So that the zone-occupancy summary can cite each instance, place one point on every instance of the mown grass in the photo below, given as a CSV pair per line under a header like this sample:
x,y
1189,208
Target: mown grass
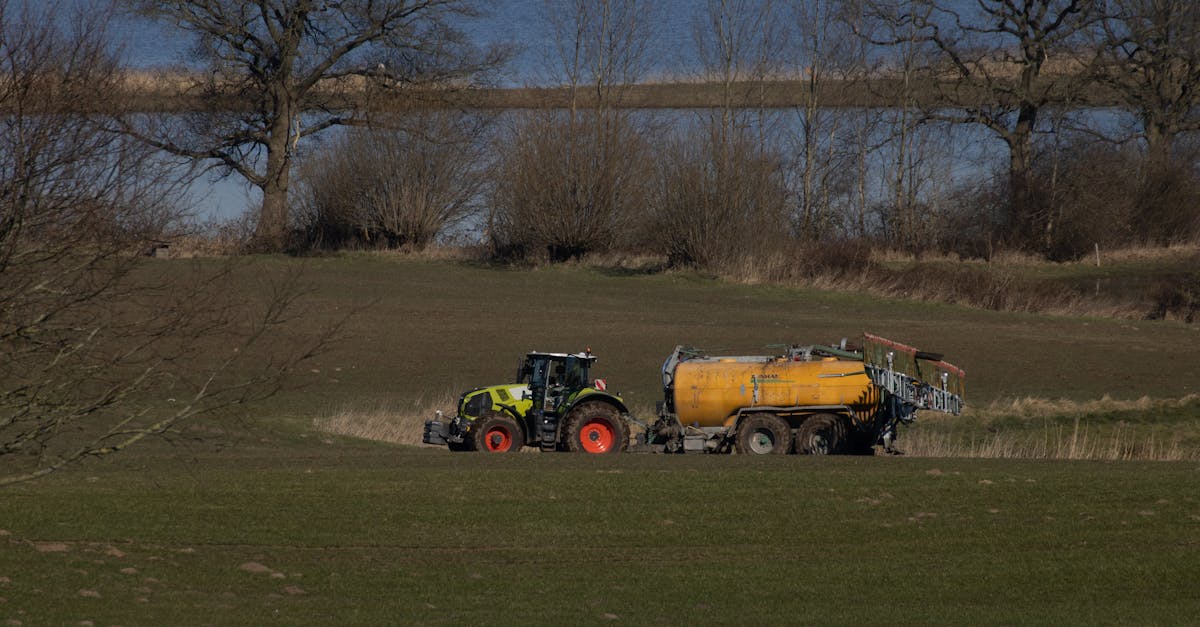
x,y
358,534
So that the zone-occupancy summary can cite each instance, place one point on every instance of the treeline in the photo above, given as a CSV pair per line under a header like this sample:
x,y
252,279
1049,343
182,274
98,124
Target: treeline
x,y
989,145
991,141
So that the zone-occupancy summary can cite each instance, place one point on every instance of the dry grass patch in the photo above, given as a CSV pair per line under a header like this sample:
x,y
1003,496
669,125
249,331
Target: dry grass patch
x,y
1080,442
1015,258
1010,282
1048,408
388,422
1105,429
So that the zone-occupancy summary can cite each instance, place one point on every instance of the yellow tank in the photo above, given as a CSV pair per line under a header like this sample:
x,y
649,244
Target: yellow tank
x,y
709,391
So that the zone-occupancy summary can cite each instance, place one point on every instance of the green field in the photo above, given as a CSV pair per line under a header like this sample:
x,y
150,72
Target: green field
x,y
255,515
434,326
348,533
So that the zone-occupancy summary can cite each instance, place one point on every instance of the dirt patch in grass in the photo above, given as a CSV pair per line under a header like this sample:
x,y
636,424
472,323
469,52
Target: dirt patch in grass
x,y
51,547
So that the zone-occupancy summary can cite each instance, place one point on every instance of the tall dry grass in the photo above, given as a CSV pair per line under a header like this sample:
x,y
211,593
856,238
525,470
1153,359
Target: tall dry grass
x,y
398,423
1001,285
1044,435
474,253
1080,442
1015,258
1047,408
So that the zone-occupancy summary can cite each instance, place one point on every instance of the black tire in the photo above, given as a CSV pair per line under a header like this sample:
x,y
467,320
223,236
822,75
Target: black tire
x,y
821,434
764,434
496,433
461,447
859,443
596,428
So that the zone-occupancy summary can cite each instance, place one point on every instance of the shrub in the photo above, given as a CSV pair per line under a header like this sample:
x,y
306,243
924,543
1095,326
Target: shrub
x,y
1177,298
717,201
566,186
395,188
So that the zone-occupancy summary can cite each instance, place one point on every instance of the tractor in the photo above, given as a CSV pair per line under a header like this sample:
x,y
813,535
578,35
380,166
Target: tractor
x,y
552,405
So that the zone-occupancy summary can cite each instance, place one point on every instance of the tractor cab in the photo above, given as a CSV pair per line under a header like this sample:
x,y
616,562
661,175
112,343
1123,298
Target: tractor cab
x,y
556,371
556,376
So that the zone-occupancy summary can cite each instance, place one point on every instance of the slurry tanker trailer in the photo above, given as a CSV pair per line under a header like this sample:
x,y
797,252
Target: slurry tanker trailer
x,y
815,400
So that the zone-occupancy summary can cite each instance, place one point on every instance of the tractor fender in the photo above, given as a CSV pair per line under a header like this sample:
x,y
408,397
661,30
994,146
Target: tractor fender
x,y
510,411
596,395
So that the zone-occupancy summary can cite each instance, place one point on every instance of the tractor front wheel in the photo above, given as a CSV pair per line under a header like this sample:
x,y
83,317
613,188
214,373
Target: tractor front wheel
x,y
497,433
764,434
822,434
596,428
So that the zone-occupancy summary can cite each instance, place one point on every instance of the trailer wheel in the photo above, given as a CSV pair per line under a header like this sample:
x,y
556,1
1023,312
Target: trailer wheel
x,y
821,434
764,434
596,428
497,433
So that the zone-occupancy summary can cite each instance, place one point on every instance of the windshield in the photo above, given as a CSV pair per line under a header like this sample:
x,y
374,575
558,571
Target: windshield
x,y
570,372
574,373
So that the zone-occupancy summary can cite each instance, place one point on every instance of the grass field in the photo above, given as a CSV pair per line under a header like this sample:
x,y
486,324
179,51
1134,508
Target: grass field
x,y
257,515
354,534
426,327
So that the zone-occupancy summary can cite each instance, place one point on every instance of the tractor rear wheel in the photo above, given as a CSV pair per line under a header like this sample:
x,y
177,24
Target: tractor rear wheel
x,y
596,428
497,433
821,434
764,434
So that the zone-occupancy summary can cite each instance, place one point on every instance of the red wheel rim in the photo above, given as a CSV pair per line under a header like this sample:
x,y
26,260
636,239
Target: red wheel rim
x,y
497,439
597,436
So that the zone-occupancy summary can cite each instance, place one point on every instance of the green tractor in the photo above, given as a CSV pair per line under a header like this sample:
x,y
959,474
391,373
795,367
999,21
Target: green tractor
x,y
553,405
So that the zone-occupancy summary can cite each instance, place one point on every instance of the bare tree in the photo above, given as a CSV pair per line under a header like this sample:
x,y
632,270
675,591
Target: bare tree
x,y
859,72
575,182
995,68
825,49
600,48
562,189
98,350
398,187
720,194
718,199
903,75
740,45
1152,63
282,70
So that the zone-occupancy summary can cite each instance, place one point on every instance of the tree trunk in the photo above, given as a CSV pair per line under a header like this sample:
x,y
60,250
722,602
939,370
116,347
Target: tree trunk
x,y
1158,142
1024,223
270,235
